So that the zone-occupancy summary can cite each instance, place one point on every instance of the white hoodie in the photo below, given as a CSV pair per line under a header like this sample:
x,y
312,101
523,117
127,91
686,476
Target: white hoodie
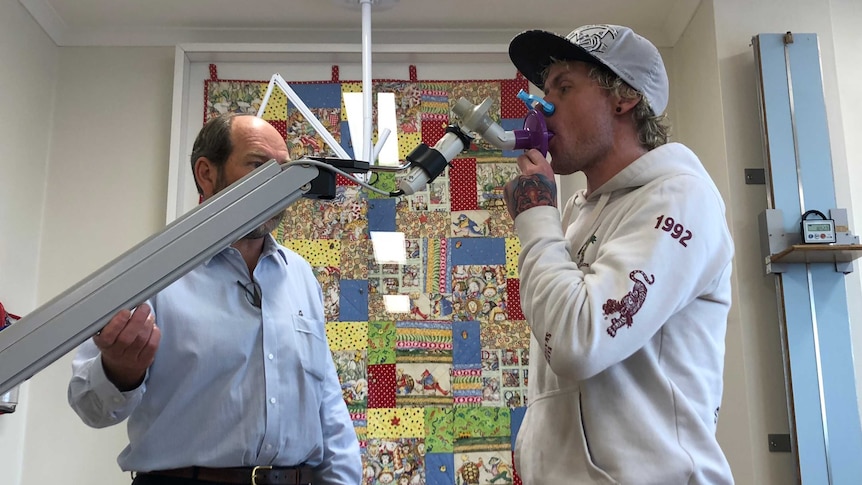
x,y
628,311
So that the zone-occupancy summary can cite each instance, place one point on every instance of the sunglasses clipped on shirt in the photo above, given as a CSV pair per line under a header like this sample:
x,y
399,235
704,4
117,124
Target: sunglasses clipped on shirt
x,y
252,292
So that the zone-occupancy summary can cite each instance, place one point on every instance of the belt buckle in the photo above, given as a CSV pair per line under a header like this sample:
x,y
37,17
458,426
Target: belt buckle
x,y
254,473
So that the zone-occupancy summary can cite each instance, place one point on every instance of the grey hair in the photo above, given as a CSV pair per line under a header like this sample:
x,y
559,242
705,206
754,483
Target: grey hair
x,y
653,131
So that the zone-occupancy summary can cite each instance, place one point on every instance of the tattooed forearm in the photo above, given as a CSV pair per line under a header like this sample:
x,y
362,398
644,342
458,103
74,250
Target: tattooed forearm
x,y
528,191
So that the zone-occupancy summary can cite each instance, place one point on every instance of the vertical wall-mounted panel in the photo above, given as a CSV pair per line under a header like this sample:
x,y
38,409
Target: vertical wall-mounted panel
x,y
811,297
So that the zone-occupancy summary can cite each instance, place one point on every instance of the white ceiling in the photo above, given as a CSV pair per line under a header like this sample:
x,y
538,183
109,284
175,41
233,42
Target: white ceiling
x,y
169,22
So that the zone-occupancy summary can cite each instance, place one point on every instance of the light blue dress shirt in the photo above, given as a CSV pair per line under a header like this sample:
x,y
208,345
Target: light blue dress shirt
x,y
231,384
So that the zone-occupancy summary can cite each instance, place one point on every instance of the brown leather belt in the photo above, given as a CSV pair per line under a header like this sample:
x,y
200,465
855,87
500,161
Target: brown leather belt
x,y
258,475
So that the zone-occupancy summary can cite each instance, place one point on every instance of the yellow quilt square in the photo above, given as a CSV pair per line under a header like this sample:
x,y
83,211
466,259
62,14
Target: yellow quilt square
x,y
393,423
347,335
318,252
276,106
513,249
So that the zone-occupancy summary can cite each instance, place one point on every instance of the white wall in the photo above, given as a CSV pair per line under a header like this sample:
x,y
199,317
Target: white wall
x,y
846,19
106,193
28,63
700,125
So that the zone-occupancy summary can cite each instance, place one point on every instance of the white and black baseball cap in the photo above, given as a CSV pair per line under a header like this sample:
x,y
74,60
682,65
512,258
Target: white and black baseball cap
x,y
632,57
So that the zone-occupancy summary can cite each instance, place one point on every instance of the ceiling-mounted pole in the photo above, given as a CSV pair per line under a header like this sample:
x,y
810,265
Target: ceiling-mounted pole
x,y
366,80
365,7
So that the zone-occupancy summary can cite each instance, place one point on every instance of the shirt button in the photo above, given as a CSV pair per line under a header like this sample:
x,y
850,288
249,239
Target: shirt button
x,y
117,400
271,356
272,400
268,446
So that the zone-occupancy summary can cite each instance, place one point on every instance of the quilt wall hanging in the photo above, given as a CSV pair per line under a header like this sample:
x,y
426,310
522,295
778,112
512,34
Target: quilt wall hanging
x,y
436,393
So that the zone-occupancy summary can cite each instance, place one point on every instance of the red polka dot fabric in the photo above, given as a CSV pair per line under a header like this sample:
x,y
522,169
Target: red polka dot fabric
x,y
462,185
342,181
432,131
280,125
213,72
513,300
381,386
510,105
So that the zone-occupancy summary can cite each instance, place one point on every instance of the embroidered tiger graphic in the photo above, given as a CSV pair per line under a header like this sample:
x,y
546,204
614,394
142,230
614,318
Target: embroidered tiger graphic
x,y
629,304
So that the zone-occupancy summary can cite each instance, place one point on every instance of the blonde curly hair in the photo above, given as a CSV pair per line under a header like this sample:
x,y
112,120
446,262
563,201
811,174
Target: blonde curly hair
x,y
653,130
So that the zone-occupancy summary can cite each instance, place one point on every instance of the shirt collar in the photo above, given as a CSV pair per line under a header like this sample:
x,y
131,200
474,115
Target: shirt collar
x,y
269,247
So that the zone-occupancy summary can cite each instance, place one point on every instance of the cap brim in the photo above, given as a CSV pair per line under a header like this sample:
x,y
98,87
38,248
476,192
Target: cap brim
x,y
531,52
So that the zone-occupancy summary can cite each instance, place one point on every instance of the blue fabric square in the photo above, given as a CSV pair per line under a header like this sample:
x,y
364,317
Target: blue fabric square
x,y
445,307
439,469
466,344
319,95
353,301
477,250
381,215
510,124
516,418
346,141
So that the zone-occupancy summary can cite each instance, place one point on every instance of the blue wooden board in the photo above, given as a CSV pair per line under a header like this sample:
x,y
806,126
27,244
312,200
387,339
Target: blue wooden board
x,y
826,417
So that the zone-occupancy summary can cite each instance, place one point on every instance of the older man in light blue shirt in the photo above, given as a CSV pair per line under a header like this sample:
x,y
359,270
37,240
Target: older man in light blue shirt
x,y
227,371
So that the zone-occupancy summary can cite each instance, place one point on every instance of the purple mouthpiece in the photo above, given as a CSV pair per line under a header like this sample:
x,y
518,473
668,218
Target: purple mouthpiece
x,y
535,133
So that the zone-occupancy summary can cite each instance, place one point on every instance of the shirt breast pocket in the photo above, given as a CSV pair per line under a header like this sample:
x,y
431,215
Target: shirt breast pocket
x,y
311,346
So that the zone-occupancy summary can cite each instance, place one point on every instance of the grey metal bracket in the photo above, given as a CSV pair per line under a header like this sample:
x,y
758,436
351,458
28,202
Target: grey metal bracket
x,y
773,239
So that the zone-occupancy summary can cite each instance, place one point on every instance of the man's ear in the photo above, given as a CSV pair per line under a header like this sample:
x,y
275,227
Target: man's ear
x,y
623,106
206,175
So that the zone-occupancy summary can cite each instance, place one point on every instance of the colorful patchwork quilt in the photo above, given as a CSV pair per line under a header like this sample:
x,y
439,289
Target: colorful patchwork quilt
x,y
437,392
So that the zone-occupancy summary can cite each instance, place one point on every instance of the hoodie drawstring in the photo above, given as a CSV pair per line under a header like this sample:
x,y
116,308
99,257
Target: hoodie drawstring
x,y
591,225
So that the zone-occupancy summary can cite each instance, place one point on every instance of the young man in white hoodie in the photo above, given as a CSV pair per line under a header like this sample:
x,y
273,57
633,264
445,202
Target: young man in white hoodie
x,y
627,299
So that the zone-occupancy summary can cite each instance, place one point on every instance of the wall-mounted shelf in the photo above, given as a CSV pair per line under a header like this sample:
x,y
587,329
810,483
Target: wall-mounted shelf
x,y
817,253
780,244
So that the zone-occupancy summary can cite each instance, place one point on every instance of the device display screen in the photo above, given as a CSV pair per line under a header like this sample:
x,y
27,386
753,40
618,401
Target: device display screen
x,y
819,227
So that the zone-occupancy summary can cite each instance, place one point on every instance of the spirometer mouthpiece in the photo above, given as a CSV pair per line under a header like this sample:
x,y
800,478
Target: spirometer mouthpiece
x,y
535,133
475,119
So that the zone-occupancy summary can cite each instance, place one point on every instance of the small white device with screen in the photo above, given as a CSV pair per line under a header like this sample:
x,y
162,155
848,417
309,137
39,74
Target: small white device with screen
x,y
817,231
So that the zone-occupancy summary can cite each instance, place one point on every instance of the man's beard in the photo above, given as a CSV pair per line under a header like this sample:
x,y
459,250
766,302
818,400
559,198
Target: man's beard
x,y
260,231
265,228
